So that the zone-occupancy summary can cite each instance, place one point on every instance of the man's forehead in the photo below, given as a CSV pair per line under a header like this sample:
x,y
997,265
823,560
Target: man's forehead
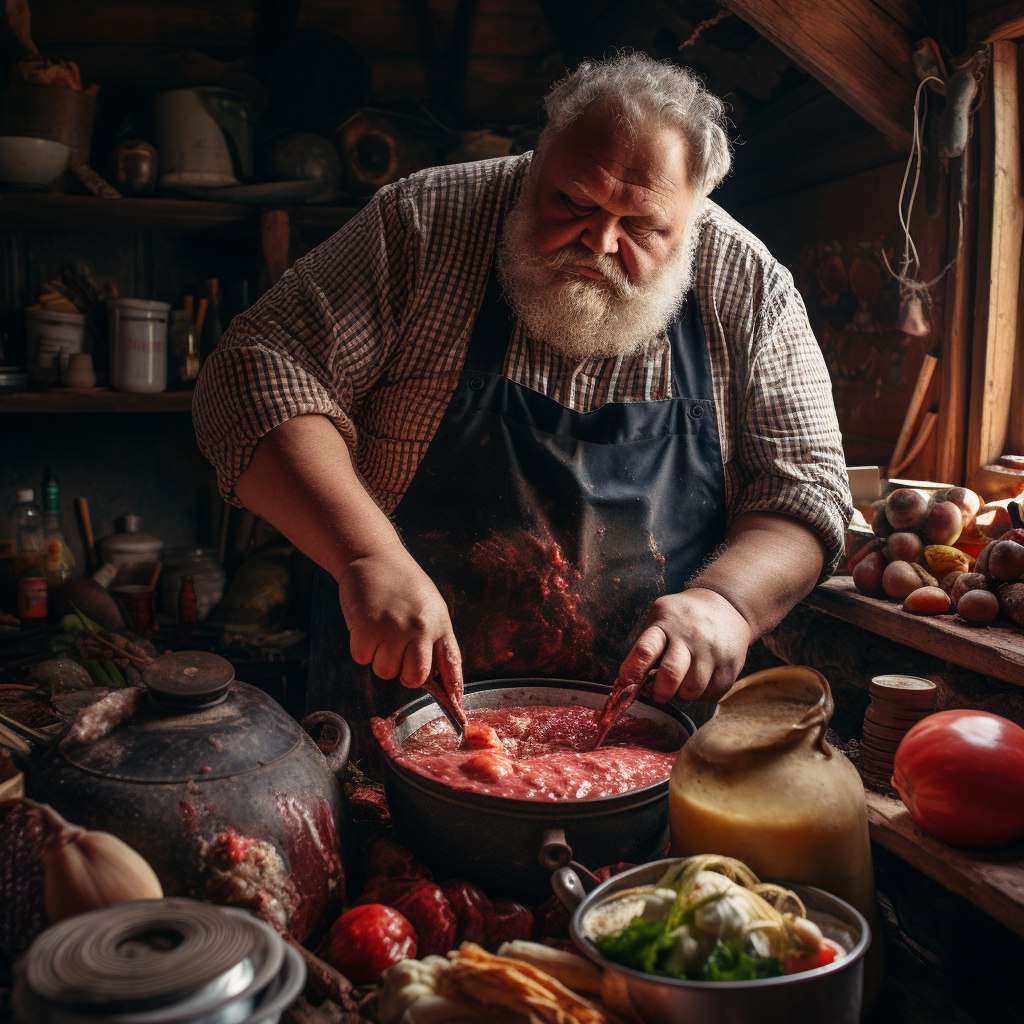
x,y
599,151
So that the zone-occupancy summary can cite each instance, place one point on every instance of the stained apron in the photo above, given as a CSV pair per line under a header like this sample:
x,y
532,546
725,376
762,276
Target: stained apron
x,y
549,532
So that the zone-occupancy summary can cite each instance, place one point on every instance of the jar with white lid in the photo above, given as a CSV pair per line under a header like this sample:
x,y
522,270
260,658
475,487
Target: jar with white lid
x,y
134,553
139,340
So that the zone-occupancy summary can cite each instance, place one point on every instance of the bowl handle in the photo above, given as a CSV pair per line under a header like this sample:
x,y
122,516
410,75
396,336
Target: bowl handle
x,y
572,883
337,759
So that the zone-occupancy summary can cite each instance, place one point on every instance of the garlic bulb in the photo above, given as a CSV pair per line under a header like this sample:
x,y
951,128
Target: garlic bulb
x,y
87,870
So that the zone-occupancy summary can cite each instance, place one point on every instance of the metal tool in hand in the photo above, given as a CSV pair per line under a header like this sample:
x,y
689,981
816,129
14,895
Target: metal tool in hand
x,y
622,695
450,705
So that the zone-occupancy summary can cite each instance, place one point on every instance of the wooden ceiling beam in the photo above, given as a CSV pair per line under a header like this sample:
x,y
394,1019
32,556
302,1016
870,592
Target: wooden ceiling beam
x,y
855,48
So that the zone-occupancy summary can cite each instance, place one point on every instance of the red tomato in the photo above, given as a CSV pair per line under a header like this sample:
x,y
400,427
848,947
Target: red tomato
x,y
961,775
367,940
812,958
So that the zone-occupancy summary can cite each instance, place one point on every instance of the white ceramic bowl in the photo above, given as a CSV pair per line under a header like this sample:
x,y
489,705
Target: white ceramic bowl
x,y
31,163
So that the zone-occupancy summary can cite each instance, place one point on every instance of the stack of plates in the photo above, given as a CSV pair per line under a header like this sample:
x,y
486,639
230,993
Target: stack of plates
x,y
897,703
171,961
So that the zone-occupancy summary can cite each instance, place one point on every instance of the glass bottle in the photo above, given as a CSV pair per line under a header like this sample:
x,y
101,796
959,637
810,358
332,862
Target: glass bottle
x,y
59,562
182,350
30,554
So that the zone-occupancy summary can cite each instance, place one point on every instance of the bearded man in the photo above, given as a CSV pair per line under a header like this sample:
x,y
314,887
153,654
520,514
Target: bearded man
x,y
554,414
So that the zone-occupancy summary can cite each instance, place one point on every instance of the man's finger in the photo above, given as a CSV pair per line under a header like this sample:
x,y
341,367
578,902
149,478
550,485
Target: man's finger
x,y
448,662
649,647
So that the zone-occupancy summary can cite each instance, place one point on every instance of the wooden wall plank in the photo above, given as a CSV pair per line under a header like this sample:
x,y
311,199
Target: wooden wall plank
x,y
853,47
995,339
955,366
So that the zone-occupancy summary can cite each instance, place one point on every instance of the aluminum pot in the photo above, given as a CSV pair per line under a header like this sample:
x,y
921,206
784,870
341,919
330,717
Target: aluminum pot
x,y
509,846
226,795
833,993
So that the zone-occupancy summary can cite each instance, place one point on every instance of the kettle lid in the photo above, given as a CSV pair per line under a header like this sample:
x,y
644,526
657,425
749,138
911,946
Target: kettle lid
x,y
184,679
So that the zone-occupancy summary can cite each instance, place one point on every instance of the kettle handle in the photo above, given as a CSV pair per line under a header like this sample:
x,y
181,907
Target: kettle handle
x,y
337,759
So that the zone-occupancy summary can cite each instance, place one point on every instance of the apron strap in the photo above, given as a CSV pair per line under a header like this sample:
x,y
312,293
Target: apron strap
x,y
492,331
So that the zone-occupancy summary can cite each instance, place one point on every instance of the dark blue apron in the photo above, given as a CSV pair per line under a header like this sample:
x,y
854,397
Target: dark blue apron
x,y
549,532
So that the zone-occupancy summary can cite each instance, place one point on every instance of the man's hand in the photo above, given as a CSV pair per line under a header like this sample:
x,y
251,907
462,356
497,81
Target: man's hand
x,y
398,621
302,480
697,640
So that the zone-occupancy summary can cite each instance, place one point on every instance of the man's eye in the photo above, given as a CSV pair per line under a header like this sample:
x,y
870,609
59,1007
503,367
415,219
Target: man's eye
x,y
576,209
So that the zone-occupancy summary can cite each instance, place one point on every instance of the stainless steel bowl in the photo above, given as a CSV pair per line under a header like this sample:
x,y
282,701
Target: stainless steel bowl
x,y
833,993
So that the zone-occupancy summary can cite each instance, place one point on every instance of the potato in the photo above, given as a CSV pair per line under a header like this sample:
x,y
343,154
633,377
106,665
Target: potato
x,y
880,525
967,582
927,601
906,508
900,579
867,573
903,546
943,523
968,501
978,606
1005,560
1011,600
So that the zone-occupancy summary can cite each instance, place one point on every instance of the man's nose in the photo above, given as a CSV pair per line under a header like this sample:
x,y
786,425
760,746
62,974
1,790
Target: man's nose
x,y
601,233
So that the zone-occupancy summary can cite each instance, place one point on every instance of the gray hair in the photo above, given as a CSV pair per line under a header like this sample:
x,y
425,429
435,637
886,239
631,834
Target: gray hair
x,y
641,90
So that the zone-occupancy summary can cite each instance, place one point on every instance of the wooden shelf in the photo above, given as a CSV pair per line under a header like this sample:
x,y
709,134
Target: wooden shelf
x,y
60,211
58,403
995,650
992,880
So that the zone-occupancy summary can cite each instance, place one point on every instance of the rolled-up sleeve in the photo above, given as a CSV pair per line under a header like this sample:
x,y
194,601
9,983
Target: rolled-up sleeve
x,y
789,452
309,345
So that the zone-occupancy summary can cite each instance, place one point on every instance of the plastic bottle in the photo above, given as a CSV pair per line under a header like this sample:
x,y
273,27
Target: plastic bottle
x,y
30,548
59,563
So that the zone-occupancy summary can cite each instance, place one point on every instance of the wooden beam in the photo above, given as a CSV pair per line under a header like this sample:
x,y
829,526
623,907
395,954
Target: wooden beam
x,y
851,46
999,284
995,19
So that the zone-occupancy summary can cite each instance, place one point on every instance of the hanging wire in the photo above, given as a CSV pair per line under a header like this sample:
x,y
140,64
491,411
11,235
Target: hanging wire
x,y
909,285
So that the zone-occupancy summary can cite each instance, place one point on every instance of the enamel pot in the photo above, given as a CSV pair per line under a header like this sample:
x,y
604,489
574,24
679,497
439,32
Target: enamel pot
x,y
226,796
510,846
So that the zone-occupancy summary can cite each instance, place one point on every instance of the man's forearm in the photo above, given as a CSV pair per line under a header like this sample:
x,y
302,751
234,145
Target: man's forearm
x,y
302,481
770,562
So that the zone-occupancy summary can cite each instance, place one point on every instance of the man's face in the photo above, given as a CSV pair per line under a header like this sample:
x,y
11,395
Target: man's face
x,y
624,198
597,254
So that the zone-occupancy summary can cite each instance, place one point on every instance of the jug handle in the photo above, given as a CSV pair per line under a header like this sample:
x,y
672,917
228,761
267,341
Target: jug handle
x,y
337,759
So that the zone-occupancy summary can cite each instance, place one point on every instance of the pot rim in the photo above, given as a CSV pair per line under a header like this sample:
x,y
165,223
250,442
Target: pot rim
x,y
542,808
834,905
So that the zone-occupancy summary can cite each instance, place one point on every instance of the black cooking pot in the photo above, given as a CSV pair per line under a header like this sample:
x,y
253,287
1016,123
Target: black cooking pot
x,y
225,795
510,846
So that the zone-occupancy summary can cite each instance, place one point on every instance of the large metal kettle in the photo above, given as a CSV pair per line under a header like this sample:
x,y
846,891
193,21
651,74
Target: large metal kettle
x,y
226,796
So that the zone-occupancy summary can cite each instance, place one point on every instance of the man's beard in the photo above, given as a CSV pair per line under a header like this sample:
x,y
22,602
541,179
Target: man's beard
x,y
580,317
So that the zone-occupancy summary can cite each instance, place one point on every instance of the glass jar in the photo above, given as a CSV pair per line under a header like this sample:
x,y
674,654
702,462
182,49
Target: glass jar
x,y
208,579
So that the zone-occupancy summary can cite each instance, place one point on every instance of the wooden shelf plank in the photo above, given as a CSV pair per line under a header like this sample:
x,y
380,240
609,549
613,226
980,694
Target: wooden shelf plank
x,y
60,211
995,650
992,880
56,403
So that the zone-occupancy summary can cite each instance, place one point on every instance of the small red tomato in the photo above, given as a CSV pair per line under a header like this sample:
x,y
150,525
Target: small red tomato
x,y
367,940
508,921
961,775
472,907
431,915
